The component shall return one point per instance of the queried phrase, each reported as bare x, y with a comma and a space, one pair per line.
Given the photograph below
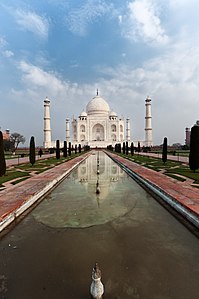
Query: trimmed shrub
194, 148
69, 149
132, 149
65, 149
164, 150
32, 151
57, 150
80, 148
2, 156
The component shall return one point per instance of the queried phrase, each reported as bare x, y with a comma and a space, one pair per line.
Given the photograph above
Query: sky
67, 49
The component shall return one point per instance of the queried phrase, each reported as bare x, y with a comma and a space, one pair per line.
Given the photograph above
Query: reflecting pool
75, 203
142, 250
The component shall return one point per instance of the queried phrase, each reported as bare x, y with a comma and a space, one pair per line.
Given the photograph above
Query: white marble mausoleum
97, 126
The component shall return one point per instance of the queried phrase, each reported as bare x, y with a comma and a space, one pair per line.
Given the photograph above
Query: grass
23, 171
11, 175
170, 168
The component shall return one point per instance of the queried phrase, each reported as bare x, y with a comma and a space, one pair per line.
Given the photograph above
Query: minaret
47, 129
67, 129
128, 130
148, 124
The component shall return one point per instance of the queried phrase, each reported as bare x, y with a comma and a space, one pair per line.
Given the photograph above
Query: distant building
187, 136
6, 134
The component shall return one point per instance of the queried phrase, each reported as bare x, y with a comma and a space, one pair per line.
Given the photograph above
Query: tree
8, 145
69, 149
17, 138
139, 148
164, 150
65, 149
32, 151
119, 148
132, 149
79, 148
123, 148
2, 157
127, 148
194, 148
57, 150
75, 148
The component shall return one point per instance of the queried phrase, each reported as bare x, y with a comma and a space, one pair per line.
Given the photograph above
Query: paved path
16, 199
183, 159
19, 160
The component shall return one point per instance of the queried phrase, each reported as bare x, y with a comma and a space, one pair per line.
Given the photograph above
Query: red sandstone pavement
182, 192
19, 160
13, 200
183, 159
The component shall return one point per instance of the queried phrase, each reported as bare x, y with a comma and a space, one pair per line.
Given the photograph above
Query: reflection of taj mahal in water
109, 174
97, 126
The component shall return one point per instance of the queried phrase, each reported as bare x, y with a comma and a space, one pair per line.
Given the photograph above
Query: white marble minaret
128, 130
148, 123
47, 129
67, 129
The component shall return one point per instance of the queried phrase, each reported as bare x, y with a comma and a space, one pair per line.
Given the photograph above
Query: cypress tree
69, 149
123, 148
164, 150
127, 148
75, 148
139, 149
32, 151
194, 148
57, 150
132, 149
119, 148
79, 148
2, 156
65, 149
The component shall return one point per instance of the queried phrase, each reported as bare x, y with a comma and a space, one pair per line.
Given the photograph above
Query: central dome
97, 105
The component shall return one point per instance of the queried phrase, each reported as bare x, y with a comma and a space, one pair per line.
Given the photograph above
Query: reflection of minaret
67, 130
148, 124
128, 130
47, 129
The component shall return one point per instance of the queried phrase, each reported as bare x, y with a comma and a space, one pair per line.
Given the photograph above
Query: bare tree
16, 139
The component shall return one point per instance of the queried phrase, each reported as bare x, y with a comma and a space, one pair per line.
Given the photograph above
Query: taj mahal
97, 126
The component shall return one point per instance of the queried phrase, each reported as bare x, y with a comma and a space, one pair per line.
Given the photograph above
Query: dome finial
97, 92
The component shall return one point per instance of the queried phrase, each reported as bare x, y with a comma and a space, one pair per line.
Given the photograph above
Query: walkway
183, 159
16, 199
19, 160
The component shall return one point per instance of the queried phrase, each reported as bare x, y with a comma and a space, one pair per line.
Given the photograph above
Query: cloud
7, 53
32, 22
79, 19
3, 42
142, 22
35, 78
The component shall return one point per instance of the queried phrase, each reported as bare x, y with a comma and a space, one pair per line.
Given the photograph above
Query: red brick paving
185, 194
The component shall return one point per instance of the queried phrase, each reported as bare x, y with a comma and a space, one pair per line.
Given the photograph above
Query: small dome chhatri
97, 106
84, 114
113, 114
